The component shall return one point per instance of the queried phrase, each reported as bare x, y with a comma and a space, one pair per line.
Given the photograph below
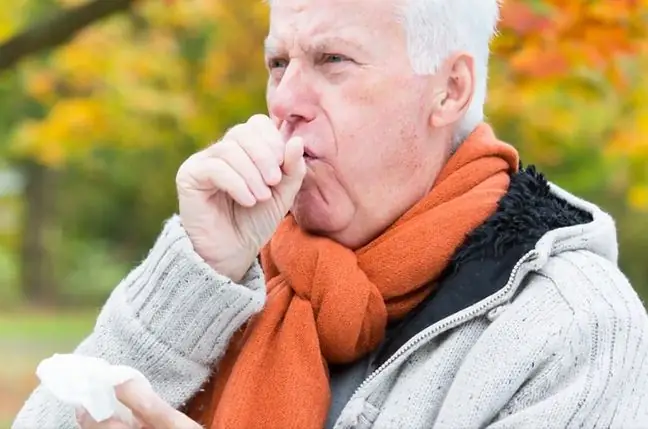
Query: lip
308, 153
309, 159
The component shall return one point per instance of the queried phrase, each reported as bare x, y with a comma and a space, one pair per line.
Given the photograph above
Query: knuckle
236, 132
221, 150
260, 119
255, 146
228, 151
218, 148
186, 168
263, 124
181, 178
250, 146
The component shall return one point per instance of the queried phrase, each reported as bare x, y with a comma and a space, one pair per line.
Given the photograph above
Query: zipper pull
496, 312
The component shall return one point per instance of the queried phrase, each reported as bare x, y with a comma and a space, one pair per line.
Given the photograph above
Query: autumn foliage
173, 60
551, 38
573, 70
167, 77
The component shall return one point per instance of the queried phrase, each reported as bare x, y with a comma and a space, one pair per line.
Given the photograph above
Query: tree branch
57, 30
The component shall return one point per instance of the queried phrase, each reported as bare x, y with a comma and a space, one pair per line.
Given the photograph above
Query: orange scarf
328, 304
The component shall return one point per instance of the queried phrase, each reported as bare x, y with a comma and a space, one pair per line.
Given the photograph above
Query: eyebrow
272, 46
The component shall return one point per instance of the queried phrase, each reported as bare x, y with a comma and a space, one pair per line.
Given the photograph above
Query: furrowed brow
273, 47
330, 44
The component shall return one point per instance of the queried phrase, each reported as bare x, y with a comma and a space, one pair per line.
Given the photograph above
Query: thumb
294, 165
294, 170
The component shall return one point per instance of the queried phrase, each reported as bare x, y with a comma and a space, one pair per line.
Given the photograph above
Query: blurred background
101, 101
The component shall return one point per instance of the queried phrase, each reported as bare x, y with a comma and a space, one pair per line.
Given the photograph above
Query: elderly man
371, 255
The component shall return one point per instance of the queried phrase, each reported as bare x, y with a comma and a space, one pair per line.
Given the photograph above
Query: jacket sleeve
171, 318
596, 375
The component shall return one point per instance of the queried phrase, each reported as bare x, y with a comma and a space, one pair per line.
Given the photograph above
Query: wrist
234, 270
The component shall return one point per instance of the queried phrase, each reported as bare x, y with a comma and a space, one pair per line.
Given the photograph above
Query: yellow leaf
214, 73
37, 141
78, 116
52, 154
638, 197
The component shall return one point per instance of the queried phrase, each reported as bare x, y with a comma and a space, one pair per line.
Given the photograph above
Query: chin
317, 215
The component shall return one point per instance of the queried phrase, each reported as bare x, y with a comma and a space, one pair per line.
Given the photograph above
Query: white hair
436, 29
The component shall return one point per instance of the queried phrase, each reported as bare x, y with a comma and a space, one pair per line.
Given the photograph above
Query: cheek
389, 105
379, 127
387, 147
380, 121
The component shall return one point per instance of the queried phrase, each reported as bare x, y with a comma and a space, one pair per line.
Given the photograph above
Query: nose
293, 98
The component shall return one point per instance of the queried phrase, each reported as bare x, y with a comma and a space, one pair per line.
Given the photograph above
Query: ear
452, 98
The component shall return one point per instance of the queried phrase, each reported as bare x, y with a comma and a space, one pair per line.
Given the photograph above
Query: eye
275, 63
334, 58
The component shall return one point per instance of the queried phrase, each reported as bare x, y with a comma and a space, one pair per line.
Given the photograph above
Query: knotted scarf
329, 304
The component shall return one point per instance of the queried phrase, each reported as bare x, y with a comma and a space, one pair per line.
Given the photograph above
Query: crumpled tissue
87, 382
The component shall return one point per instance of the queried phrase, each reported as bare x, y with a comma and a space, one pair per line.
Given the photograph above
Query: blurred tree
146, 88
575, 68
115, 110
567, 89
58, 29
38, 242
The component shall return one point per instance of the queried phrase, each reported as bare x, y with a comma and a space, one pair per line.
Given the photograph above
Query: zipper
451, 320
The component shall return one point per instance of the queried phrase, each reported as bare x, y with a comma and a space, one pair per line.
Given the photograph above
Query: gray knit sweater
563, 344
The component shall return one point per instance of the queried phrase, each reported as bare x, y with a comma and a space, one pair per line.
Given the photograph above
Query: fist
233, 195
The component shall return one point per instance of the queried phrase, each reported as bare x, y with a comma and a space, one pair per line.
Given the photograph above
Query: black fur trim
524, 215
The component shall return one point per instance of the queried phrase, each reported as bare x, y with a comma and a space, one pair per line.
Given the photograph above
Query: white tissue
87, 382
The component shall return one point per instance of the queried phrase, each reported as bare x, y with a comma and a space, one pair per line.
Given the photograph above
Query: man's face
340, 77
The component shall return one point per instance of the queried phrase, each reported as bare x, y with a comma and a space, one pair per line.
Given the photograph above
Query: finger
209, 174
85, 421
294, 169
294, 164
150, 409
259, 152
222, 176
267, 129
234, 155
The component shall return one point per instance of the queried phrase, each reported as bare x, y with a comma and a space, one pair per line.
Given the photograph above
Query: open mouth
308, 155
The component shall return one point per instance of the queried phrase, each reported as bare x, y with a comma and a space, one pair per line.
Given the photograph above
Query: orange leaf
522, 19
541, 63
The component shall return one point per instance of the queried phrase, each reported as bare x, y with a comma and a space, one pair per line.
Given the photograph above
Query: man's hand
234, 194
150, 411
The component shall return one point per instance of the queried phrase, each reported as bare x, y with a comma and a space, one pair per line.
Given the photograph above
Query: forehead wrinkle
328, 42
321, 43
